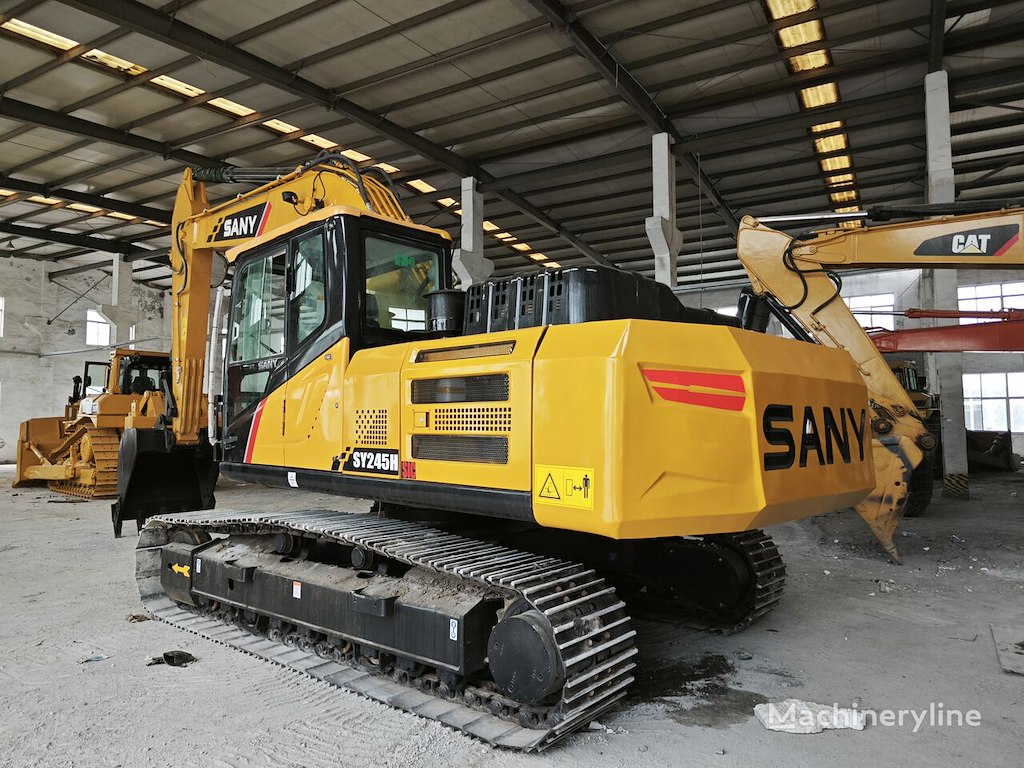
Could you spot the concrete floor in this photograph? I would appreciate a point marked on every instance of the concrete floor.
(839, 637)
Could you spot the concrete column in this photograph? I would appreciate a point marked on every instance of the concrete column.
(468, 261)
(939, 291)
(120, 312)
(665, 239)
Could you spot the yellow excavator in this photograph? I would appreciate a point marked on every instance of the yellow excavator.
(537, 448)
(76, 454)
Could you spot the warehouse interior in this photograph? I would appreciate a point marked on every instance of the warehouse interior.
(603, 145)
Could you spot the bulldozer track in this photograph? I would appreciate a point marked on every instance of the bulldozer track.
(104, 442)
(591, 627)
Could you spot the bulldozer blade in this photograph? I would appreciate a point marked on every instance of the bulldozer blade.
(155, 476)
(36, 439)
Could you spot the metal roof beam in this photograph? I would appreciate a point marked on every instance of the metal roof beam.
(98, 201)
(77, 270)
(29, 113)
(631, 92)
(170, 31)
(50, 235)
(936, 33)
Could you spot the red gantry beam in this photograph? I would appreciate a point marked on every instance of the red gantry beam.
(1000, 336)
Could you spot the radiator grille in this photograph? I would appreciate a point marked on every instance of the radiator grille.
(462, 389)
(482, 419)
(372, 426)
(479, 449)
(464, 353)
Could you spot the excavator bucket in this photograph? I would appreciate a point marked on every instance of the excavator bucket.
(37, 439)
(884, 508)
(155, 476)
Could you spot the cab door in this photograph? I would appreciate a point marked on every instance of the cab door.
(255, 360)
(317, 355)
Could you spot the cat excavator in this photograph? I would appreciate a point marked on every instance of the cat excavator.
(797, 279)
(539, 449)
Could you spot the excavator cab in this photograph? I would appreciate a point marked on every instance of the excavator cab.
(299, 295)
(332, 281)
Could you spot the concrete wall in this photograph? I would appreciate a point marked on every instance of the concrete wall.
(38, 360)
(906, 285)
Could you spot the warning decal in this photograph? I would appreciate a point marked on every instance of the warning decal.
(564, 486)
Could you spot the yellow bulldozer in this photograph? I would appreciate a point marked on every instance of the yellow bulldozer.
(76, 453)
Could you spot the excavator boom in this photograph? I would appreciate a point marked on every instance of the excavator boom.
(798, 276)
(174, 468)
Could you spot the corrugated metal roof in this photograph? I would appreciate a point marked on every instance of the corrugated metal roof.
(553, 103)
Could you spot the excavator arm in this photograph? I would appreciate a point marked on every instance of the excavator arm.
(797, 276)
(172, 467)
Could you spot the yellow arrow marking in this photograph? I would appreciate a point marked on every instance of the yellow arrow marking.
(182, 569)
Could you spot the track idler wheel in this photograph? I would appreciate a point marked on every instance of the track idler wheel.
(523, 655)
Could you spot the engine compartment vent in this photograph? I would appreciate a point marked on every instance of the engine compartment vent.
(473, 419)
(465, 353)
(478, 449)
(462, 389)
(372, 426)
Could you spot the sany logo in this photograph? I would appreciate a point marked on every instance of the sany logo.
(247, 223)
(724, 391)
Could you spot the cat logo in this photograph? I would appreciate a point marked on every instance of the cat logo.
(990, 241)
(970, 243)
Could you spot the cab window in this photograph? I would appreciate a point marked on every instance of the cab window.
(257, 334)
(308, 298)
(399, 274)
(258, 310)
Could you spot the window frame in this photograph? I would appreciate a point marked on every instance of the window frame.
(1012, 393)
(268, 254)
(967, 298)
(90, 323)
(887, 304)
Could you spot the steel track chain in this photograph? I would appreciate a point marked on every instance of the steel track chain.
(592, 630)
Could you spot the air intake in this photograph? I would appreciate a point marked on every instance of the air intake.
(478, 449)
(462, 389)
(372, 427)
(465, 353)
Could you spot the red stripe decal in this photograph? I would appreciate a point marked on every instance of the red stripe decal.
(263, 220)
(727, 381)
(1009, 244)
(253, 428)
(722, 402)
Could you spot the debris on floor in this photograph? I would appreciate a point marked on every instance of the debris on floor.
(1009, 647)
(172, 659)
(135, 618)
(798, 716)
(97, 657)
